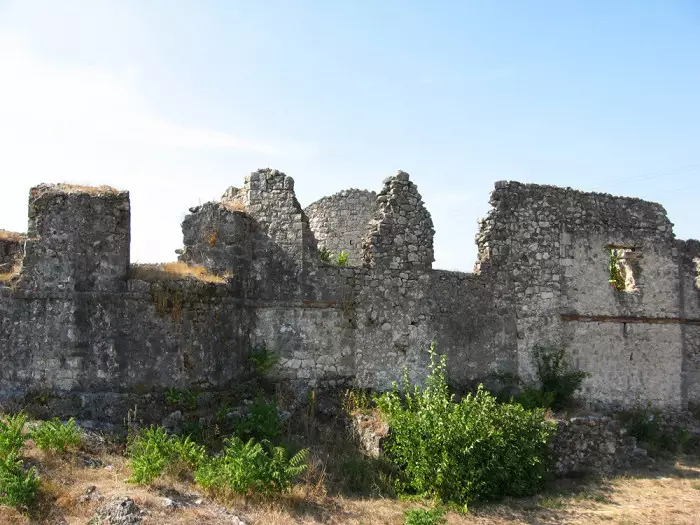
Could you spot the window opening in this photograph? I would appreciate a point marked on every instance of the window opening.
(621, 269)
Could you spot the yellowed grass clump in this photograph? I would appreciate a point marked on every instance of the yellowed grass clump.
(10, 236)
(173, 271)
(233, 205)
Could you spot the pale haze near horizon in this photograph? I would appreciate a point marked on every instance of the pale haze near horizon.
(176, 101)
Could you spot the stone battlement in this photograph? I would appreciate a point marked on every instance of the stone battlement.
(601, 276)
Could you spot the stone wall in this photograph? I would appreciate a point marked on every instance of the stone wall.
(553, 246)
(11, 247)
(76, 324)
(339, 222)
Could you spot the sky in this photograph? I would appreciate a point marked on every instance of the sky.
(177, 100)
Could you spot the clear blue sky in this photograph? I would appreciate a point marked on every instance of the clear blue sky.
(177, 100)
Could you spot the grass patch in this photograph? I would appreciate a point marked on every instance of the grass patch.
(75, 189)
(6, 235)
(173, 271)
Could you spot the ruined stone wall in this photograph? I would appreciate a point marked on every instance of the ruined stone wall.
(553, 245)
(11, 247)
(690, 312)
(77, 239)
(76, 325)
(284, 248)
(340, 222)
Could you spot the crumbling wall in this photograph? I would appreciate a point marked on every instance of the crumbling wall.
(220, 238)
(284, 248)
(76, 326)
(690, 313)
(11, 250)
(78, 239)
(340, 222)
(553, 244)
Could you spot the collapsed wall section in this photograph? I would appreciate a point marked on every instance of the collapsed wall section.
(11, 250)
(78, 239)
(560, 250)
(340, 222)
(283, 245)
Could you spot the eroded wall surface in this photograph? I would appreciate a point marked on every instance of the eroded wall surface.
(339, 222)
(79, 327)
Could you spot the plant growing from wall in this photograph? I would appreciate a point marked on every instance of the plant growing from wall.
(262, 359)
(324, 255)
(616, 280)
(342, 259)
(556, 380)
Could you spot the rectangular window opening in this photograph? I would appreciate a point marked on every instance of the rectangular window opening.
(621, 268)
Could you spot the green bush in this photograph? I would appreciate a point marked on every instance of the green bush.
(262, 359)
(261, 423)
(153, 450)
(251, 468)
(17, 486)
(56, 436)
(648, 427)
(434, 516)
(476, 449)
(556, 378)
(11, 433)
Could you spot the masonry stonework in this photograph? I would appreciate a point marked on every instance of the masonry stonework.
(79, 329)
(339, 222)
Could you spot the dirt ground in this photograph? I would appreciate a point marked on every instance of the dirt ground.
(73, 487)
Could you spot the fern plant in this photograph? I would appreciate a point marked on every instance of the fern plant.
(56, 436)
(251, 468)
(12, 435)
(18, 486)
(153, 450)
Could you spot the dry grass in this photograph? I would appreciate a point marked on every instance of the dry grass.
(5, 277)
(173, 271)
(76, 188)
(667, 496)
(233, 205)
(11, 236)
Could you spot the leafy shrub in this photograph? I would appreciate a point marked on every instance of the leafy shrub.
(261, 423)
(262, 359)
(153, 450)
(533, 397)
(56, 436)
(251, 467)
(11, 433)
(555, 375)
(434, 516)
(17, 486)
(476, 449)
(652, 433)
(187, 398)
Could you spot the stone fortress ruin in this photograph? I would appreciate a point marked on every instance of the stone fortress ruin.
(602, 277)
